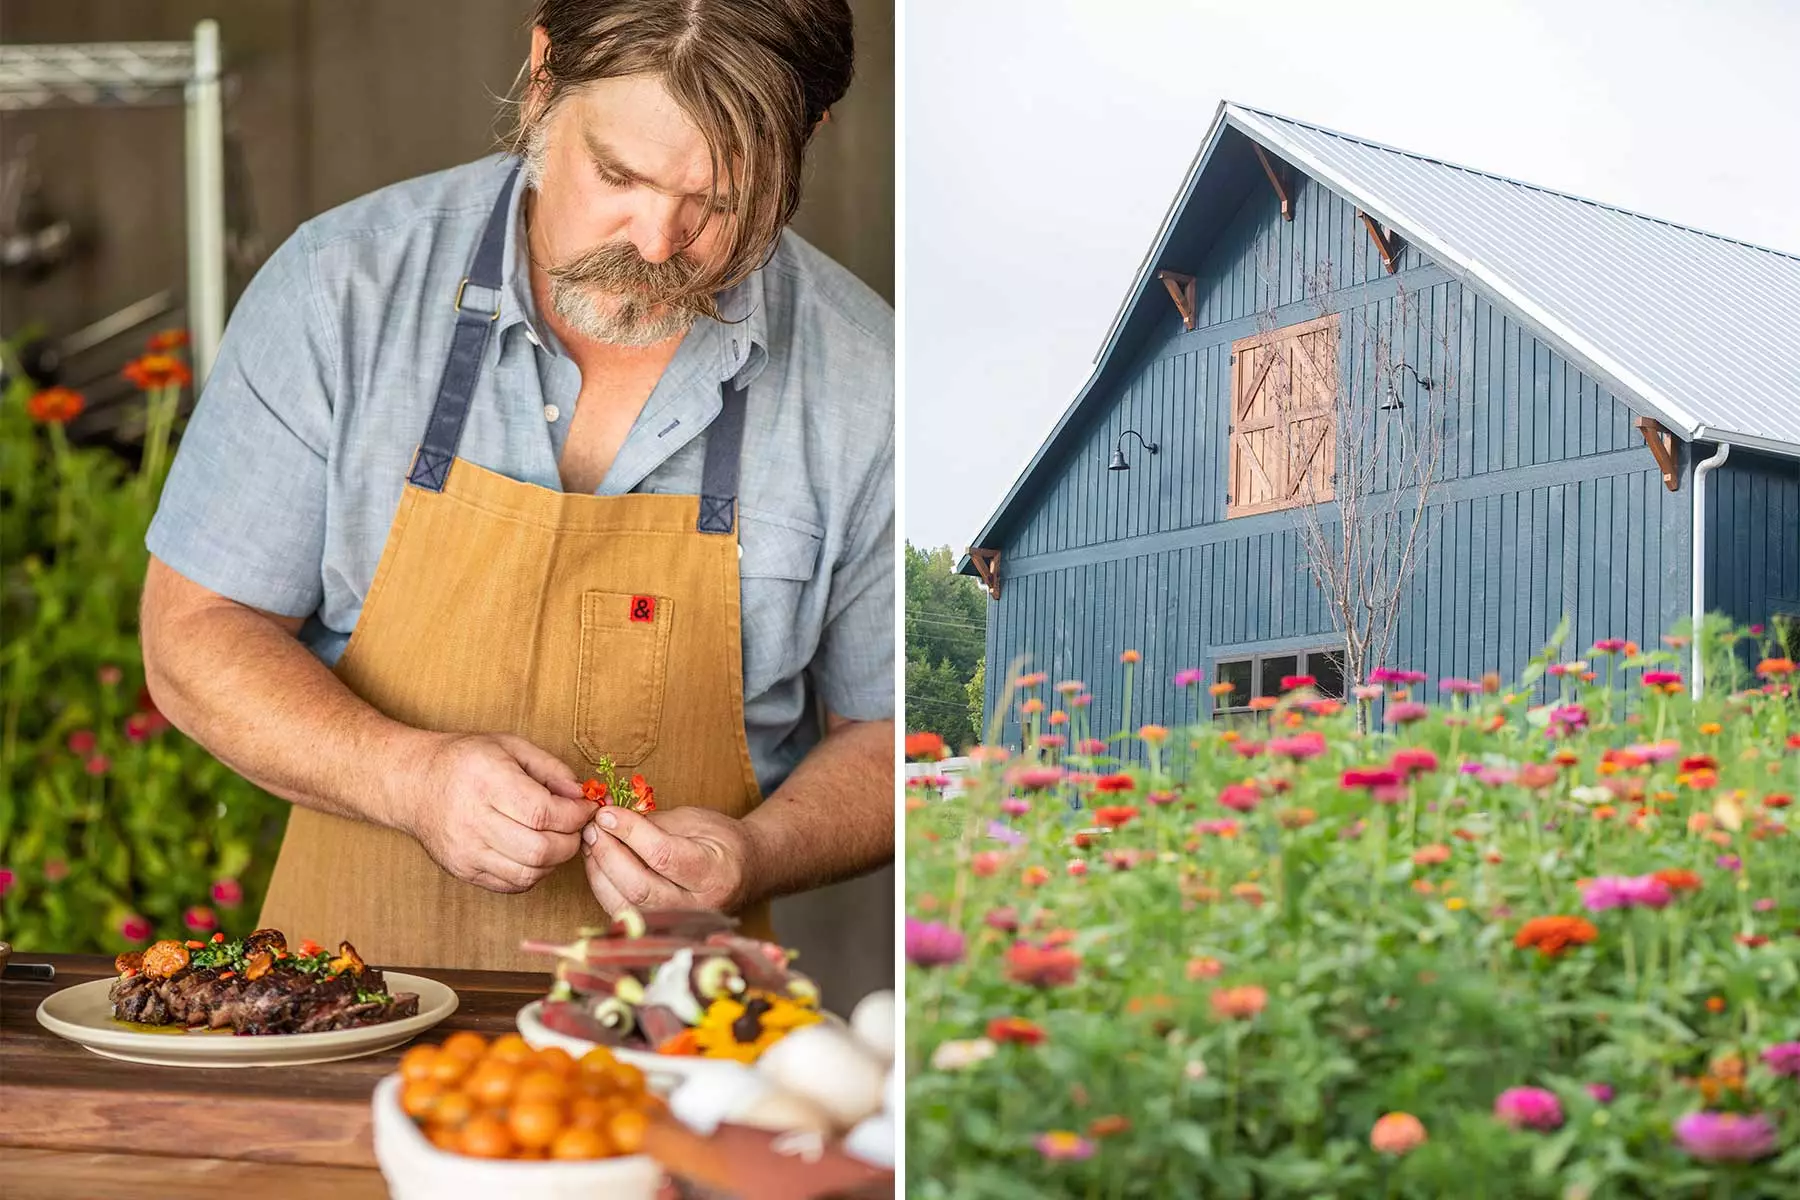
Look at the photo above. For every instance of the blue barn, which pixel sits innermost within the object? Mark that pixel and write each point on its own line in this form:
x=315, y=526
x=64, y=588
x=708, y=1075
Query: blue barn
x=1558, y=406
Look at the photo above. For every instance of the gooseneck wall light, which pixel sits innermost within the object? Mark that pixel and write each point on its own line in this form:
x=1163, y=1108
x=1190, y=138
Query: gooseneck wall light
x=1118, y=462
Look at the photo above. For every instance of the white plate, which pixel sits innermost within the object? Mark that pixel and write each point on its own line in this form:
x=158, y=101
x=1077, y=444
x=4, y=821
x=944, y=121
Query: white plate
x=663, y=1071
x=83, y=1014
x=417, y=1170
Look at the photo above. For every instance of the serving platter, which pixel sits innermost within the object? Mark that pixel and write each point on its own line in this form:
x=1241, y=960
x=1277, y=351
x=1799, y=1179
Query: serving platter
x=83, y=1014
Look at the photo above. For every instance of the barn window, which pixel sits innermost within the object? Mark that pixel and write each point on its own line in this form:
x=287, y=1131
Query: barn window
x=1261, y=675
x=1284, y=389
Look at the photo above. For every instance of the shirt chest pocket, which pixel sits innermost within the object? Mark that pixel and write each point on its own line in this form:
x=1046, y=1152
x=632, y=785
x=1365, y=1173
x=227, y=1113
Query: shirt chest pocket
x=777, y=571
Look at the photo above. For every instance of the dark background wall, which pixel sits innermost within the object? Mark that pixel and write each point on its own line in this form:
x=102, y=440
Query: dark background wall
x=330, y=99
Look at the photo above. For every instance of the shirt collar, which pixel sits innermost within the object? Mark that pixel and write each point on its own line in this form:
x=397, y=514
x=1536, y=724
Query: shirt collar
x=742, y=336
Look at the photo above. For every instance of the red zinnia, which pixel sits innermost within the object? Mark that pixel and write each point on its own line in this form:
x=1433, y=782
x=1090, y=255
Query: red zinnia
x=1113, y=783
x=1240, y=797
x=1113, y=816
x=1016, y=1030
x=925, y=746
x=1041, y=967
x=157, y=370
x=55, y=406
x=1553, y=935
x=1290, y=682
x=1414, y=760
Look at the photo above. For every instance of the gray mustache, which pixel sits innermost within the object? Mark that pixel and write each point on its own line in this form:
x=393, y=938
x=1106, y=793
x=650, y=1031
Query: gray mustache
x=618, y=267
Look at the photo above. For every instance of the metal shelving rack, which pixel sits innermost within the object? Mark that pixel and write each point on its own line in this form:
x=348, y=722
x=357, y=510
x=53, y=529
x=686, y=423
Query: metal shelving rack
x=135, y=74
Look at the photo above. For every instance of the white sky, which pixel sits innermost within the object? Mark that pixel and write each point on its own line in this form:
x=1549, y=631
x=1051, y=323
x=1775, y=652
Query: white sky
x=1046, y=138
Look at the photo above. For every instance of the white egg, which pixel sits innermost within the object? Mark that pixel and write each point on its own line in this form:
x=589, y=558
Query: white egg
x=714, y=1092
x=872, y=1141
x=825, y=1064
x=873, y=1023
x=781, y=1111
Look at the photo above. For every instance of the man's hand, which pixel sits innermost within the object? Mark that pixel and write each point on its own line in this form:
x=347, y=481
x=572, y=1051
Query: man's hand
x=686, y=858
x=496, y=811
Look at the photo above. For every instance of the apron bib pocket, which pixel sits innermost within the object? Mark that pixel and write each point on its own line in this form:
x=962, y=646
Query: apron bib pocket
x=623, y=672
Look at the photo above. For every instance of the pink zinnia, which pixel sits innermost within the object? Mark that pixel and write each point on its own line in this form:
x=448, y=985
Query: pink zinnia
x=1006, y=919
x=1388, y=675
x=1367, y=691
x=1069, y=687
x=1218, y=827
x=110, y=676
x=1189, y=677
x=1291, y=683
x=1661, y=678
x=55, y=870
x=1529, y=1108
x=7, y=879
x=1240, y=797
x=134, y=929
x=1161, y=797
x=1060, y=1144
x=1726, y=1137
x=1655, y=751
x=1301, y=746
x=1610, y=645
x=1015, y=806
x=1081, y=701
x=1382, y=783
x=99, y=765
x=1033, y=779
x=1053, y=741
x=1405, y=712
x=200, y=919
x=1567, y=718
x=1460, y=687
x=1783, y=1058
x=227, y=893
x=1601, y=1092
x=1092, y=746
x=137, y=727
x=81, y=742
x=929, y=944
x=1626, y=891
x=1414, y=760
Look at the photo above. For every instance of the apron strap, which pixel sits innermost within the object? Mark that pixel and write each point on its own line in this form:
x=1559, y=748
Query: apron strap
x=719, y=474
x=477, y=308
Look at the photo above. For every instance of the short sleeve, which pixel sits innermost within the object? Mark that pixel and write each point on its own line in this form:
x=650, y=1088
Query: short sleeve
x=243, y=511
x=854, y=665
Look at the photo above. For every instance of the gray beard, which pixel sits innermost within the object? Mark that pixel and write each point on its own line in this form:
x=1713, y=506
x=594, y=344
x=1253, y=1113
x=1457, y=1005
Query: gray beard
x=616, y=320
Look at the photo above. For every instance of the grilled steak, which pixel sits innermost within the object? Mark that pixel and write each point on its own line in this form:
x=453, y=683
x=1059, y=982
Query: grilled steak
x=277, y=992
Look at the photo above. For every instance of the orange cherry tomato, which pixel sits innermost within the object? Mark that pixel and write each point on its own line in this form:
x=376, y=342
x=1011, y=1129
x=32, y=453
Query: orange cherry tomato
x=511, y=1048
x=580, y=1143
x=534, y=1124
x=588, y=1112
x=597, y=1061
x=543, y=1085
x=452, y=1109
x=626, y=1130
x=416, y=1063
x=445, y=1138
x=420, y=1096
x=555, y=1058
x=465, y=1044
x=491, y=1083
x=626, y=1078
x=485, y=1136
x=449, y=1069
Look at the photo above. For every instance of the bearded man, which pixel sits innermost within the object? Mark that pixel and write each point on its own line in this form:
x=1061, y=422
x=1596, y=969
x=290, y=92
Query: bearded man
x=567, y=458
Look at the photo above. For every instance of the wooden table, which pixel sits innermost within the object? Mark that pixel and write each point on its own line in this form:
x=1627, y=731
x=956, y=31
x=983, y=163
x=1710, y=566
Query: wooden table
x=77, y=1126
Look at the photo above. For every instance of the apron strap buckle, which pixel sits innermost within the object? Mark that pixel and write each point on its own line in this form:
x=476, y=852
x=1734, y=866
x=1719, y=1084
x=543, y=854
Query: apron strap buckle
x=463, y=286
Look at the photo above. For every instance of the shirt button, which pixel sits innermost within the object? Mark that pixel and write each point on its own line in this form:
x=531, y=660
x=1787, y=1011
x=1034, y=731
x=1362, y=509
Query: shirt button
x=552, y=413
x=533, y=339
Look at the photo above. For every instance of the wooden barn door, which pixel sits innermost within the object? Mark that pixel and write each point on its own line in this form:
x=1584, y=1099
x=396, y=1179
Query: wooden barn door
x=1284, y=389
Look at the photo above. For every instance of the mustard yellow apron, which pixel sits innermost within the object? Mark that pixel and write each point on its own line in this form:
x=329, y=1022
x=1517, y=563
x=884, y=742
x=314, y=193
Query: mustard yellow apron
x=586, y=624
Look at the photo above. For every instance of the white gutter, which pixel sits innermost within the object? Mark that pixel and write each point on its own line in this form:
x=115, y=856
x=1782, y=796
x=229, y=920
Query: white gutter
x=1699, y=581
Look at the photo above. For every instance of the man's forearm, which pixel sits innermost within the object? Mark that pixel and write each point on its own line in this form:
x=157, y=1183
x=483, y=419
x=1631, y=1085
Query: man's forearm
x=833, y=818
x=241, y=685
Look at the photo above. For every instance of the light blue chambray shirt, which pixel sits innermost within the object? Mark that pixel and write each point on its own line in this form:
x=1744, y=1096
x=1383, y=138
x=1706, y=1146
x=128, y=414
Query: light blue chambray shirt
x=292, y=466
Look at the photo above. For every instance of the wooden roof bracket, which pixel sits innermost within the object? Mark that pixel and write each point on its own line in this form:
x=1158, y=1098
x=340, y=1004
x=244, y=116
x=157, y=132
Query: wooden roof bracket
x=1281, y=192
x=1389, y=243
x=1181, y=290
x=987, y=565
x=1662, y=445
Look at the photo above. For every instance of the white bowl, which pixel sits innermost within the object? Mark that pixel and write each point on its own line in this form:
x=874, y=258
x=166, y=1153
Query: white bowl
x=417, y=1170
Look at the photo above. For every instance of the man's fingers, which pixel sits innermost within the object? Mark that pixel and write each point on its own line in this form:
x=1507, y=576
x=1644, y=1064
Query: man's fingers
x=539, y=849
x=635, y=882
x=534, y=806
x=677, y=859
x=602, y=887
x=548, y=770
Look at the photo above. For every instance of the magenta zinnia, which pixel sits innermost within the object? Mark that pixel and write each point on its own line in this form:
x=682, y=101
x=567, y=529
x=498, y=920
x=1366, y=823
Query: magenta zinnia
x=929, y=944
x=1625, y=891
x=1726, y=1137
x=1529, y=1108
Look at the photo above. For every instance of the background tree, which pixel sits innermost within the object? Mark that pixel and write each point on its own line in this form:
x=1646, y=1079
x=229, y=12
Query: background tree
x=946, y=640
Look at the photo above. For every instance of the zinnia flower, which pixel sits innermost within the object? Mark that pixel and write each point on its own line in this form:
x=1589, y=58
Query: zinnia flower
x=1035, y=779
x=1413, y=760
x=1035, y=679
x=1114, y=783
x=166, y=340
x=1432, y=855
x=1384, y=784
x=1625, y=891
x=134, y=928
x=1069, y=687
x=1460, y=687
x=200, y=919
x=1529, y=1108
x=1662, y=679
x=1239, y=1003
x=227, y=893
x=1041, y=966
x=1291, y=683
x=1240, y=797
x=929, y=944
x=1397, y=1133
x=1189, y=677
x=1060, y=1144
x=1770, y=668
x=154, y=371
x=956, y=1056
x=1016, y=1030
x=1221, y=689
x=1130, y=656
x=82, y=742
x=55, y=406
x=1405, y=713
x=1783, y=1058
x=924, y=746
x=1300, y=747
x=1602, y=1093
x=7, y=880
x=1553, y=935
x=1116, y=815
x=1204, y=967
x=1726, y=1137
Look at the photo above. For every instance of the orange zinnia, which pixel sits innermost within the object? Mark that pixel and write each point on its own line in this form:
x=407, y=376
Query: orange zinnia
x=1770, y=667
x=1553, y=935
x=1115, y=815
x=926, y=746
x=1239, y=1003
x=154, y=371
x=168, y=339
x=55, y=406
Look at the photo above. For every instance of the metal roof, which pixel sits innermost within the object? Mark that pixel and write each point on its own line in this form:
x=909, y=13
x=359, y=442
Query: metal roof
x=1700, y=330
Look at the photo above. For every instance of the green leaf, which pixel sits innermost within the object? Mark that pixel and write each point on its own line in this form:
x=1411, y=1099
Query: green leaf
x=1549, y=1155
